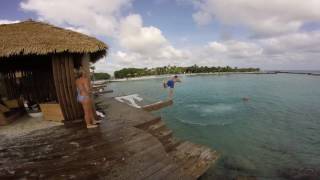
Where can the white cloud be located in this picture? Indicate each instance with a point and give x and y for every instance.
(202, 17)
(235, 49)
(146, 44)
(271, 17)
(5, 21)
(292, 51)
(107, 65)
(303, 42)
(217, 47)
(133, 36)
(97, 16)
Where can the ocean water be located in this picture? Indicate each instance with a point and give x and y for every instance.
(273, 135)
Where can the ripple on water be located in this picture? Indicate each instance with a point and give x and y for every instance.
(211, 108)
(208, 114)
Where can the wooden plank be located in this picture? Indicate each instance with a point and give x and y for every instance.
(65, 89)
(194, 159)
(121, 158)
(55, 79)
(172, 144)
(58, 86)
(71, 93)
(13, 103)
(163, 172)
(52, 112)
(120, 152)
(78, 106)
(158, 105)
(144, 125)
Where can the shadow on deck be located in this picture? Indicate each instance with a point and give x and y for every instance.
(130, 144)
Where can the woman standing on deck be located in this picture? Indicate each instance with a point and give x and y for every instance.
(170, 83)
(83, 96)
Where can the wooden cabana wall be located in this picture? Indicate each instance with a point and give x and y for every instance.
(64, 81)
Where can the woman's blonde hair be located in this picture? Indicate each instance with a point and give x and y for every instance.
(79, 72)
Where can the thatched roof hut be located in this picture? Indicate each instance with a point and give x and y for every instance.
(37, 62)
(37, 38)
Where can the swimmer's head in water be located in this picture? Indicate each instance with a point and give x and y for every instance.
(175, 76)
(245, 98)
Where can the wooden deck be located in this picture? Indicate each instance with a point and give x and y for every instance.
(192, 159)
(129, 144)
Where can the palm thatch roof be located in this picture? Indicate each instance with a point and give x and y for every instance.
(37, 38)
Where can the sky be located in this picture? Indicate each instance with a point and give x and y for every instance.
(271, 35)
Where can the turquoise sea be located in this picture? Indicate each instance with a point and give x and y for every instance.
(274, 135)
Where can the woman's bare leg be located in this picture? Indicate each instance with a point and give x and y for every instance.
(86, 109)
(92, 115)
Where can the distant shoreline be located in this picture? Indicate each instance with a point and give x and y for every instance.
(187, 74)
(196, 74)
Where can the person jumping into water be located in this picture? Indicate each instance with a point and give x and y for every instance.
(170, 84)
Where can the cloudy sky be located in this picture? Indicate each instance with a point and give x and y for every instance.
(273, 34)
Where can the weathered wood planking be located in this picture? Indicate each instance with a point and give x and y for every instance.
(192, 159)
(109, 152)
(65, 89)
(52, 112)
(76, 105)
(68, 85)
(59, 87)
(115, 150)
(157, 105)
(69, 81)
